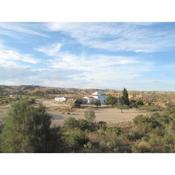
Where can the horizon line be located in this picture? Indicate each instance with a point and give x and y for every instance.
(89, 88)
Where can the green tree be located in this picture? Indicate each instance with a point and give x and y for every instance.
(97, 103)
(125, 98)
(111, 100)
(77, 103)
(28, 129)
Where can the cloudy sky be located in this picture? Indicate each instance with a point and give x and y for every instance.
(138, 56)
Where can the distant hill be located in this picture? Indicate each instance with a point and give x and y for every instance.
(36, 90)
(40, 90)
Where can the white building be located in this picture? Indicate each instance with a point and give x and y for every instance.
(60, 99)
(88, 99)
(98, 95)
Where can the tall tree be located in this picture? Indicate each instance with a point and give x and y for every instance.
(125, 98)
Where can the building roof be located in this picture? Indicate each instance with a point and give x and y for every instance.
(99, 92)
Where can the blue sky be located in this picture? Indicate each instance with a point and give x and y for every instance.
(138, 56)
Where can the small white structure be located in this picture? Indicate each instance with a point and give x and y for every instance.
(88, 99)
(60, 99)
(98, 95)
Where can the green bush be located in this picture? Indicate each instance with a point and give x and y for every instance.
(151, 108)
(134, 135)
(141, 147)
(71, 123)
(135, 103)
(78, 103)
(111, 100)
(27, 129)
(96, 102)
(102, 125)
(89, 115)
(87, 125)
(76, 139)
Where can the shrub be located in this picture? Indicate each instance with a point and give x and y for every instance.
(78, 103)
(136, 103)
(139, 103)
(89, 115)
(102, 125)
(141, 147)
(145, 124)
(87, 125)
(151, 108)
(76, 140)
(133, 104)
(111, 100)
(27, 129)
(134, 135)
(96, 102)
(156, 143)
(71, 123)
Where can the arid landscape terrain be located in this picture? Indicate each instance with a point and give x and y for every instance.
(86, 120)
(62, 110)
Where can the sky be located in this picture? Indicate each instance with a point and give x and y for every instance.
(138, 56)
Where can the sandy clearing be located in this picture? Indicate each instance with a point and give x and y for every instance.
(109, 115)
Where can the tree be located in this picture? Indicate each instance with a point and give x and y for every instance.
(111, 100)
(78, 103)
(125, 98)
(97, 103)
(28, 129)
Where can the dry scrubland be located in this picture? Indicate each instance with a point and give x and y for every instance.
(146, 124)
(109, 115)
(62, 111)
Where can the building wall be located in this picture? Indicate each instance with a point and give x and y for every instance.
(96, 96)
(102, 98)
(60, 99)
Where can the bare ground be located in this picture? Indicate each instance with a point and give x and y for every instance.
(109, 115)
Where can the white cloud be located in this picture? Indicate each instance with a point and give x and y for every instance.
(94, 62)
(94, 70)
(10, 58)
(52, 50)
(16, 56)
(16, 29)
(87, 70)
(118, 36)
